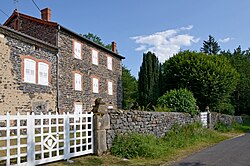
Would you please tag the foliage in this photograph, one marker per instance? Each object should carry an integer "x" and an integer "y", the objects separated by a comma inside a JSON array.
[
  {"x": 240, "y": 60},
  {"x": 212, "y": 79},
  {"x": 148, "y": 81},
  {"x": 98, "y": 40},
  {"x": 222, "y": 127},
  {"x": 134, "y": 145},
  {"x": 130, "y": 91},
  {"x": 210, "y": 46},
  {"x": 180, "y": 100}
]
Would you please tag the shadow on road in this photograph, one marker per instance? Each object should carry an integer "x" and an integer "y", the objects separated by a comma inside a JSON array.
[{"x": 190, "y": 164}]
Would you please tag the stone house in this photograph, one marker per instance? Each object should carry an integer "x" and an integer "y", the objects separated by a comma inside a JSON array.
[
  {"x": 85, "y": 70},
  {"x": 27, "y": 73}
]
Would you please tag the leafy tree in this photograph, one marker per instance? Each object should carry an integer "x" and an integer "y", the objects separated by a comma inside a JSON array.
[
  {"x": 240, "y": 60},
  {"x": 130, "y": 90},
  {"x": 97, "y": 40},
  {"x": 212, "y": 79},
  {"x": 210, "y": 46},
  {"x": 148, "y": 81},
  {"x": 181, "y": 100},
  {"x": 94, "y": 38}
]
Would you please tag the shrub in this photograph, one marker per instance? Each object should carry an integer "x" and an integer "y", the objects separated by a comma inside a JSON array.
[
  {"x": 180, "y": 100},
  {"x": 212, "y": 78},
  {"x": 133, "y": 145}
]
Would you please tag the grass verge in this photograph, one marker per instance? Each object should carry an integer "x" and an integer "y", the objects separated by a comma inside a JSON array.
[{"x": 137, "y": 149}]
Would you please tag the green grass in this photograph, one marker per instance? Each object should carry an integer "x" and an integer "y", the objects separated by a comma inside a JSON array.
[
  {"x": 135, "y": 145},
  {"x": 149, "y": 150},
  {"x": 235, "y": 127}
]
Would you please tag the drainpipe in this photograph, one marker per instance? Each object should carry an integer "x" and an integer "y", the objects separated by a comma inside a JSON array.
[
  {"x": 57, "y": 71},
  {"x": 57, "y": 81}
]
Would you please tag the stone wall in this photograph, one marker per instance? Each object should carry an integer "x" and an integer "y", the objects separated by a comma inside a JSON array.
[
  {"x": 45, "y": 32},
  {"x": 223, "y": 118},
  {"x": 16, "y": 95},
  {"x": 157, "y": 123},
  {"x": 69, "y": 64}
]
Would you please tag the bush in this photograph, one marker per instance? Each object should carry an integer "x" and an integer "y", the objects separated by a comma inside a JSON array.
[
  {"x": 212, "y": 78},
  {"x": 180, "y": 100},
  {"x": 133, "y": 145}
]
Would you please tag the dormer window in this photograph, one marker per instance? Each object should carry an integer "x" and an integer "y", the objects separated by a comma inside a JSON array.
[
  {"x": 77, "y": 47},
  {"x": 94, "y": 57}
]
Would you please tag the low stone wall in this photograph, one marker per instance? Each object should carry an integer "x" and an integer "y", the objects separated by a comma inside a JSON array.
[
  {"x": 223, "y": 118},
  {"x": 157, "y": 123}
]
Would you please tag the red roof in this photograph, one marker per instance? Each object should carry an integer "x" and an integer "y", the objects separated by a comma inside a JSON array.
[{"x": 16, "y": 13}]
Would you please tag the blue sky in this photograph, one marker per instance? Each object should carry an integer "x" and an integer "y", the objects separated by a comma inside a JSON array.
[{"x": 162, "y": 26}]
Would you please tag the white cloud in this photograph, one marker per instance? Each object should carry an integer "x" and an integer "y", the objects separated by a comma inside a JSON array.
[
  {"x": 166, "y": 43},
  {"x": 225, "y": 40}
]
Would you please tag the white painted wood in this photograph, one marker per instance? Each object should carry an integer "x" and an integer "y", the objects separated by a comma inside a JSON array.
[
  {"x": 42, "y": 139},
  {"x": 203, "y": 117}
]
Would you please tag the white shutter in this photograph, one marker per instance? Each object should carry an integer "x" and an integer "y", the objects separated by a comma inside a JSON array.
[
  {"x": 110, "y": 88},
  {"x": 110, "y": 61},
  {"x": 29, "y": 71},
  {"x": 78, "y": 82},
  {"x": 78, "y": 111},
  {"x": 43, "y": 73},
  {"x": 94, "y": 57},
  {"x": 77, "y": 50},
  {"x": 95, "y": 85}
]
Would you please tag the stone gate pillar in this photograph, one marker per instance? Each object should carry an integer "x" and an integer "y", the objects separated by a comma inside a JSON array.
[{"x": 101, "y": 124}]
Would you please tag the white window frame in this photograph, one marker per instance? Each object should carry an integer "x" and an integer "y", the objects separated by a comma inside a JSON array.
[
  {"x": 94, "y": 57},
  {"x": 77, "y": 50},
  {"x": 29, "y": 67},
  {"x": 43, "y": 73},
  {"x": 78, "y": 81},
  {"x": 95, "y": 85},
  {"x": 77, "y": 111},
  {"x": 110, "y": 62},
  {"x": 110, "y": 88}
]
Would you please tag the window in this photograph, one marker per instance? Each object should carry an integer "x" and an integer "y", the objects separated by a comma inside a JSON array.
[
  {"x": 78, "y": 82},
  {"x": 110, "y": 63},
  {"x": 35, "y": 71},
  {"x": 94, "y": 57},
  {"x": 29, "y": 71},
  {"x": 78, "y": 112},
  {"x": 43, "y": 73},
  {"x": 77, "y": 50},
  {"x": 95, "y": 82},
  {"x": 110, "y": 88}
]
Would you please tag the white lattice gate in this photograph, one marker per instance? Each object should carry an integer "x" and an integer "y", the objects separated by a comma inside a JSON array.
[
  {"x": 204, "y": 119},
  {"x": 38, "y": 139}
]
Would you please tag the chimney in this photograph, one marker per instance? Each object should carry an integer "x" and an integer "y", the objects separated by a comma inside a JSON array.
[
  {"x": 46, "y": 14},
  {"x": 114, "y": 47}
]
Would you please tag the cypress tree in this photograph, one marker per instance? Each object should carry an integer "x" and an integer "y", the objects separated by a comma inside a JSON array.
[{"x": 148, "y": 81}]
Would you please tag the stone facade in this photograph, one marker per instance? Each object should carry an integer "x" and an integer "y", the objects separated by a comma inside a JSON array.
[
  {"x": 157, "y": 123},
  {"x": 63, "y": 38},
  {"x": 39, "y": 29},
  {"x": 68, "y": 64},
  {"x": 15, "y": 94}
]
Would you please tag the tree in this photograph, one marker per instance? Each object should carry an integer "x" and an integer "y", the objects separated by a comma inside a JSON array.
[
  {"x": 148, "y": 81},
  {"x": 130, "y": 90},
  {"x": 212, "y": 79},
  {"x": 210, "y": 46},
  {"x": 98, "y": 40},
  {"x": 241, "y": 62}
]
